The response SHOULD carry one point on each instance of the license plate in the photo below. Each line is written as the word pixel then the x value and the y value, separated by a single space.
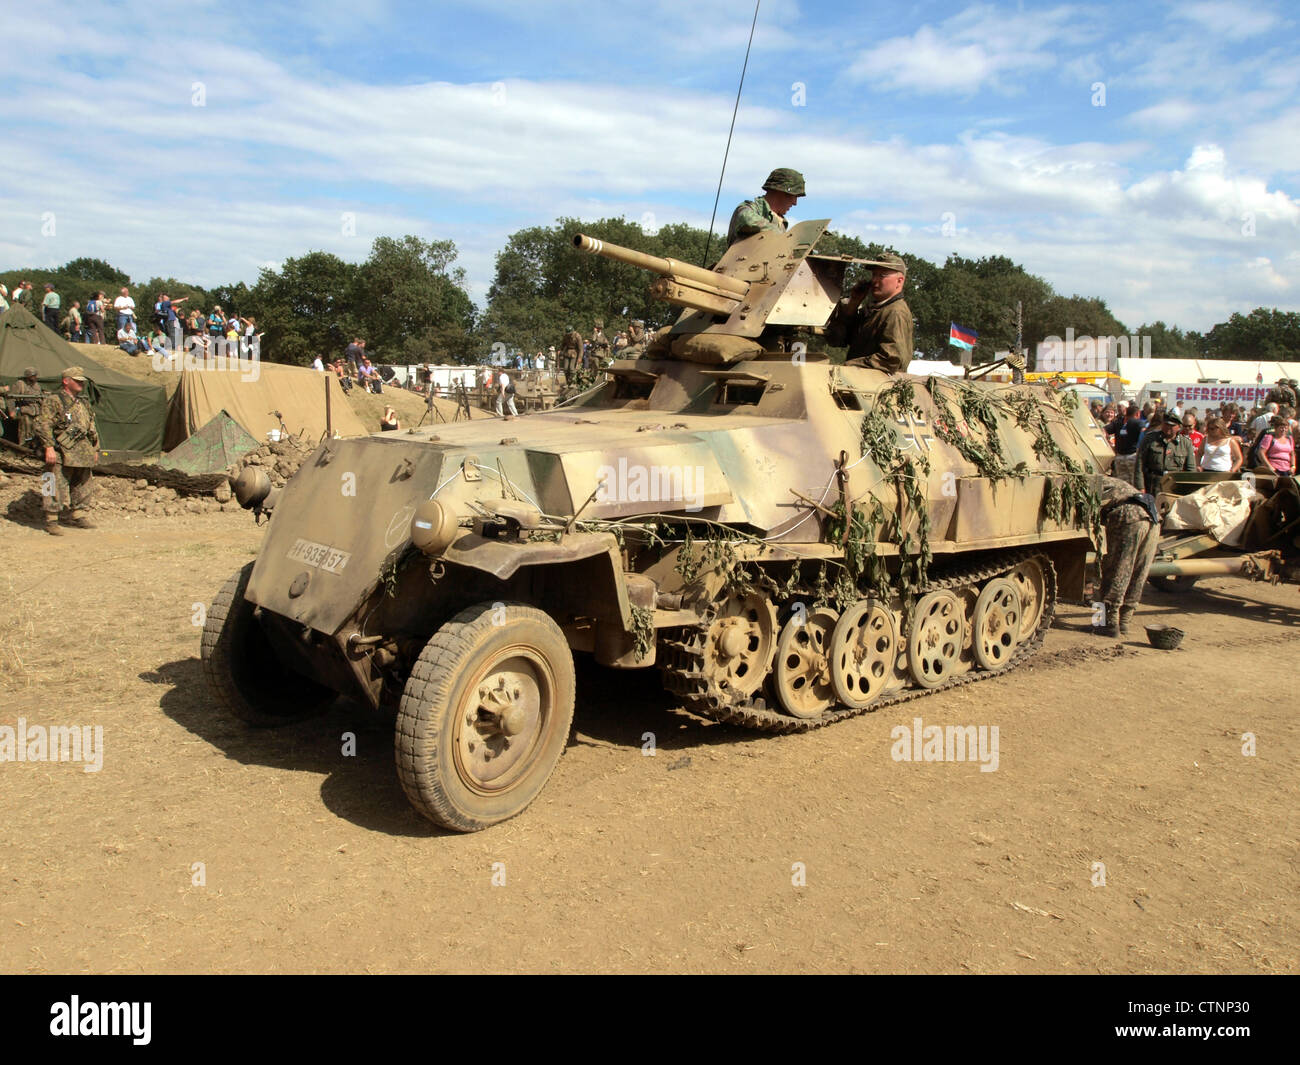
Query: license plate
pixel 322 556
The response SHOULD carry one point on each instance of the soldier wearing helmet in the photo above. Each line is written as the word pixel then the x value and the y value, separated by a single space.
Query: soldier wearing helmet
pixel 25 399
pixel 781 191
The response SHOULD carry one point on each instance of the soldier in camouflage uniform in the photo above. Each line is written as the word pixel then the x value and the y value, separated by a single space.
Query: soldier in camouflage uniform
pixel 570 353
pixel 878 331
pixel 25 404
pixel 781 191
pixel 66 433
pixel 1132 533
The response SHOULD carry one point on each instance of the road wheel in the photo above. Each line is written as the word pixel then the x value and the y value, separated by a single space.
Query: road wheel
pixel 247 678
pixel 485 715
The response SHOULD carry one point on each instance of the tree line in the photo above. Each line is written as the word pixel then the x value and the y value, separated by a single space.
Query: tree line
pixel 408 299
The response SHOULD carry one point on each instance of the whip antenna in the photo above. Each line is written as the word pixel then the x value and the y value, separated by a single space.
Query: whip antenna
pixel 712 218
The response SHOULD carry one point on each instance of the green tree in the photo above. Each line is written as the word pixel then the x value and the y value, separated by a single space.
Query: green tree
pixel 1170 342
pixel 95 272
pixel 411 301
pixel 1264 333
pixel 305 307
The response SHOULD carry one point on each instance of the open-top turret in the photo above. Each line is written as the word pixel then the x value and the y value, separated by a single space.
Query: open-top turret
pixel 790 541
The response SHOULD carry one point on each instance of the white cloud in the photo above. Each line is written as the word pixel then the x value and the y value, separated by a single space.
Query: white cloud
pixel 1235 21
pixel 1167 115
pixel 265 169
pixel 982 47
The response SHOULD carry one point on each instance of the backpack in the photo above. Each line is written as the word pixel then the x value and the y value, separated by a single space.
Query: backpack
pixel 1254 455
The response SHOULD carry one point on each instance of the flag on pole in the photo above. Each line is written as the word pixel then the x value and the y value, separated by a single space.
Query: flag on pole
pixel 961 338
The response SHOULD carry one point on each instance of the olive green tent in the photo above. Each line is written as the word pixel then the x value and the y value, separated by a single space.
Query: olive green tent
pixel 129 414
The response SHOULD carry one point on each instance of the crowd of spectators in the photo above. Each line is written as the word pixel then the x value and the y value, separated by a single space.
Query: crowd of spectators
pixel 1221 439
pixel 165 331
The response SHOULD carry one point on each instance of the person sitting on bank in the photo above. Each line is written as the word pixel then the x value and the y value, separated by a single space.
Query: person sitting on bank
pixel 389 423
pixel 878 331
pixel 128 341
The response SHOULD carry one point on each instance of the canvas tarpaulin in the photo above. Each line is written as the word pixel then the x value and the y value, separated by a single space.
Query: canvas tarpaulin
pixel 251 392
pixel 218 445
pixel 128 413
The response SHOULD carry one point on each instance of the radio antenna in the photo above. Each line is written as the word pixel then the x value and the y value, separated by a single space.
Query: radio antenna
pixel 709 239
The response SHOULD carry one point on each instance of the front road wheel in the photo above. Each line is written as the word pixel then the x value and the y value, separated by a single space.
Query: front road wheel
pixel 485 715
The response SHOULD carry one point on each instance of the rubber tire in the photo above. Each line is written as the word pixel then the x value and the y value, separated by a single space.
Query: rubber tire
pixel 250 683
pixel 435 691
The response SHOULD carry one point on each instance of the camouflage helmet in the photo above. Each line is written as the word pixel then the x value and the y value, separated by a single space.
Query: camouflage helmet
pixel 783 179
pixel 29 371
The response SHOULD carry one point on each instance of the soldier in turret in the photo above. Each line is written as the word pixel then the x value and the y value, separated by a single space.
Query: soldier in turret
pixel 878 331
pixel 781 191
pixel 66 434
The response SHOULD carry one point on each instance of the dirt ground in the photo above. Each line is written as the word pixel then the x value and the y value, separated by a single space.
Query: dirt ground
pixel 686 861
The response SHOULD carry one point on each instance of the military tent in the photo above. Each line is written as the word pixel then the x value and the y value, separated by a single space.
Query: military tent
pixel 218 445
pixel 129 413
pixel 251 393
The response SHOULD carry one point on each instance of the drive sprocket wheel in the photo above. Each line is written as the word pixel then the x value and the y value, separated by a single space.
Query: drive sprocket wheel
pixel 801 678
pixel 864 651
pixel 740 643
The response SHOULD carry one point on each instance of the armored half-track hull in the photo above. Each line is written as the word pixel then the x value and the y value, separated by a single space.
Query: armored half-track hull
pixel 789 540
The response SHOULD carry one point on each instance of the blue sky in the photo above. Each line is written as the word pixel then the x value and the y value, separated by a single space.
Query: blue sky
pixel 1145 153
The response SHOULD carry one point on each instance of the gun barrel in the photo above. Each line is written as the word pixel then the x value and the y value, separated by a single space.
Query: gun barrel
pixel 674 268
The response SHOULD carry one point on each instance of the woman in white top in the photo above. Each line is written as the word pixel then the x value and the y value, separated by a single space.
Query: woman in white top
pixel 1219 451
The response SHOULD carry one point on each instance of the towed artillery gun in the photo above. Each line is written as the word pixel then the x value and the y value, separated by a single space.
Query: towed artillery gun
pixel 791 542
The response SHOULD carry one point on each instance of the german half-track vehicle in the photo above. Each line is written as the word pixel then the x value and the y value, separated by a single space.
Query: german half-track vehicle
pixel 790 541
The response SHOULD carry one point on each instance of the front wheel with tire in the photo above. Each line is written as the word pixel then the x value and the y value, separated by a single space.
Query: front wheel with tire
pixel 485 715
pixel 249 681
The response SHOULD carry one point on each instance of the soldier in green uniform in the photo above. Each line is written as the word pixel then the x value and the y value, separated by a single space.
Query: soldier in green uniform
pixel 599 347
pixel 65 432
pixel 570 353
pixel 878 331
pixel 781 191
pixel 1132 533
pixel 1162 451
pixel 25 404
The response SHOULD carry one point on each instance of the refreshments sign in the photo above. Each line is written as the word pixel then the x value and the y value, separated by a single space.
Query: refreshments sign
pixel 1197 395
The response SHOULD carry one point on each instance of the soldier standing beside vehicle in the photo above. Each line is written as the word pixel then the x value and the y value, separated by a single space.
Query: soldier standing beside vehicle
pixel 781 191
pixel 878 331
pixel 66 433
pixel 25 403
pixel 599 347
pixel 570 353
pixel 1132 533
pixel 1163 452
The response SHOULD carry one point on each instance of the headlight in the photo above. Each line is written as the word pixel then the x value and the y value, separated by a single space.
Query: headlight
pixel 434 526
